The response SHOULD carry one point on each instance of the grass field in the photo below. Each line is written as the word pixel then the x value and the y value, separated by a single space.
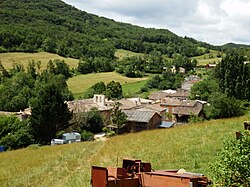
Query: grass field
pixel 192 147
pixel 121 53
pixel 8 59
pixel 79 84
pixel 205 59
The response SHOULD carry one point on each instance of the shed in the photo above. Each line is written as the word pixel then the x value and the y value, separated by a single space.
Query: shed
pixel 166 124
pixel 71 137
pixel 141 120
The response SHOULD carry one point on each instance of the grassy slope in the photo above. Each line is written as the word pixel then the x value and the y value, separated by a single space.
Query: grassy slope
pixel 192 147
pixel 121 53
pixel 204 59
pixel 8 59
pixel 79 84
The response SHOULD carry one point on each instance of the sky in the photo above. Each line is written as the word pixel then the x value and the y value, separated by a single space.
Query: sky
pixel 214 21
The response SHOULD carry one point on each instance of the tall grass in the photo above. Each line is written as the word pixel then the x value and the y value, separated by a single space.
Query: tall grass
pixel 64 165
pixel 8 59
pixel 192 147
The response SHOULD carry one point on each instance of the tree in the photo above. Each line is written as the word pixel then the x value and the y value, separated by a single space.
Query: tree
pixel 50 113
pixel 90 121
pixel 14 133
pixel 232 165
pixel 222 106
pixel 203 89
pixel 118 117
pixel 234 75
pixel 16 92
pixel 62 68
pixel 114 90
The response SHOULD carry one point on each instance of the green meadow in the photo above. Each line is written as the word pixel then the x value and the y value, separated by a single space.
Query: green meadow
pixel 80 83
pixel 192 147
pixel 8 59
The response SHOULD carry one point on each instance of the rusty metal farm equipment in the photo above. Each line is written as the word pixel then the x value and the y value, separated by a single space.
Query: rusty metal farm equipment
pixel 246 127
pixel 135 173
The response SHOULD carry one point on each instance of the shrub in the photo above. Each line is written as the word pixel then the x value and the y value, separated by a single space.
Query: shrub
pixel 232 165
pixel 86 136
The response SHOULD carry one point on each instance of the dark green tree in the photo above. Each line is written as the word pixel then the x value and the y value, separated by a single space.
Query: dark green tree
pixel 118 117
pixel 222 106
pixel 14 133
pixel 90 121
pixel 50 113
pixel 203 89
pixel 114 90
pixel 62 68
pixel 16 92
pixel 233 75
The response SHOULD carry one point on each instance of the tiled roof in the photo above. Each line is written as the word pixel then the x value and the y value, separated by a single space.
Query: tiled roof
pixel 160 95
pixel 154 107
pixel 128 104
pixel 188 110
pixel 85 105
pixel 177 102
pixel 139 116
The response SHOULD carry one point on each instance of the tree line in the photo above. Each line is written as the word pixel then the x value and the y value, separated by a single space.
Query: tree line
pixel 227 87
pixel 73 33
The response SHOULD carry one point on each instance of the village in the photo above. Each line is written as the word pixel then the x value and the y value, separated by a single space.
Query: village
pixel 162 109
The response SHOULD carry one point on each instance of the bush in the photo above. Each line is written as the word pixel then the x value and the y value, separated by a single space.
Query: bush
pixel 232 165
pixel 222 106
pixel 87 136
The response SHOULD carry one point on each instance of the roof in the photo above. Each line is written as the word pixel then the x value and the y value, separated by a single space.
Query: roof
pixel 71 133
pixel 86 105
pixel 177 102
pixel 166 124
pixel 140 100
pixel 158 95
pixel 184 110
pixel 128 104
pixel 155 107
pixel 139 116
pixel 167 93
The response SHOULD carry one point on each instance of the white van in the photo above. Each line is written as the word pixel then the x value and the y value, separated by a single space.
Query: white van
pixel 56 142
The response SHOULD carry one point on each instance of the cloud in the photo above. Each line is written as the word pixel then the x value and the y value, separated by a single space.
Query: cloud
pixel 212 21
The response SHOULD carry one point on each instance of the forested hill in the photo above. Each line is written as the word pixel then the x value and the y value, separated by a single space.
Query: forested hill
pixel 54 26
pixel 234 46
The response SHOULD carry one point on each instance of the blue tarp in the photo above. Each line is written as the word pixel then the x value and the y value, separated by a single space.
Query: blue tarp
pixel 166 124
pixel 1 148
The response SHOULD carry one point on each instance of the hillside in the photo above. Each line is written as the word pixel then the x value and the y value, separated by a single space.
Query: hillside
pixel 8 59
pixel 234 46
pixel 193 147
pixel 53 26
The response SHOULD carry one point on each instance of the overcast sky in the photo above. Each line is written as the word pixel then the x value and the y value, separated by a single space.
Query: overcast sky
pixel 213 21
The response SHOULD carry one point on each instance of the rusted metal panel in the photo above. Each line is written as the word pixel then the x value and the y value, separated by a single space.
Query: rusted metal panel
pixel 247 125
pixel 124 183
pixel 135 173
pixel 99 176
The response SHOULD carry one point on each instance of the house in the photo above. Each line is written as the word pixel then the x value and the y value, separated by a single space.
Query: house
pixel 209 66
pixel 156 108
pixel 189 82
pixel 177 109
pixel 22 115
pixel 184 112
pixel 179 94
pixel 141 120
pixel 71 137
pixel 98 101
pixel 127 104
